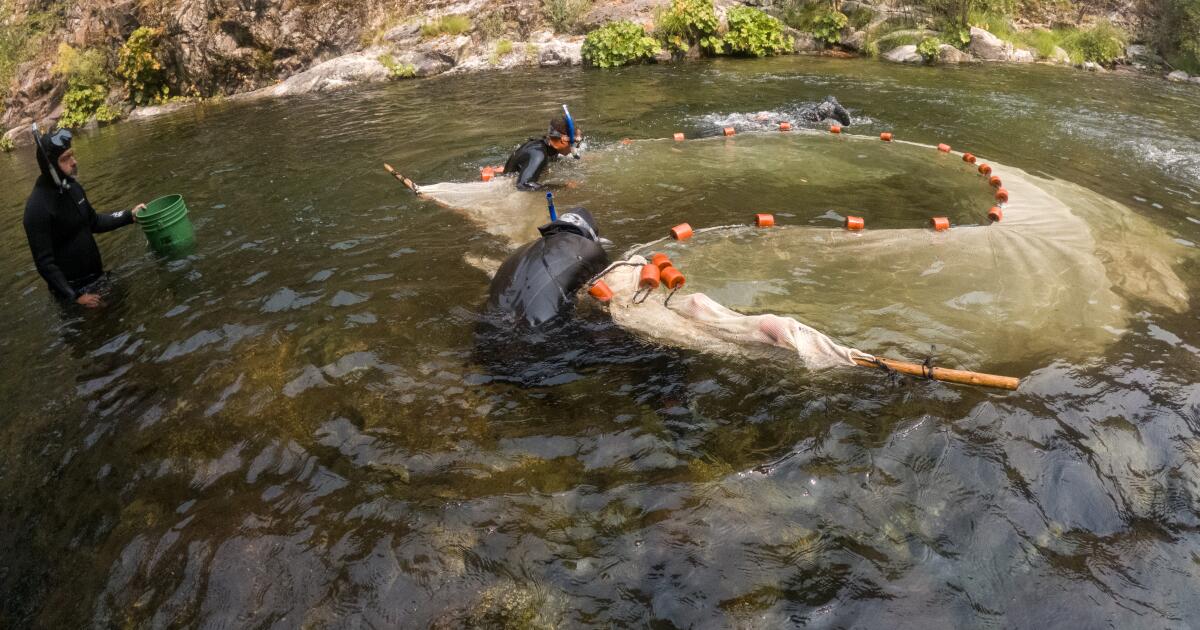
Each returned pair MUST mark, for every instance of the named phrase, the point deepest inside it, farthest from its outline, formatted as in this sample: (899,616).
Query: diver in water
(60,221)
(530,159)
(537,284)
(828,109)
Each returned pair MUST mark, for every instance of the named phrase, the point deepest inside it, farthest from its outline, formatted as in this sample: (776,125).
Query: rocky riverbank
(211,49)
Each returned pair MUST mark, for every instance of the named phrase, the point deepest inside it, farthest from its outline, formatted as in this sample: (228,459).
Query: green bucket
(165,223)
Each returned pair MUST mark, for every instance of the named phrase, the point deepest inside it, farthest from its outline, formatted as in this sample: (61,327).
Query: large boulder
(427,63)
(950,54)
(1141,56)
(334,74)
(904,54)
(987,46)
(1060,56)
(803,42)
(1020,55)
(560,53)
(1178,76)
(854,40)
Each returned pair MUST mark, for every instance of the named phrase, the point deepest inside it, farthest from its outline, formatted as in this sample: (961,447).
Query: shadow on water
(306,421)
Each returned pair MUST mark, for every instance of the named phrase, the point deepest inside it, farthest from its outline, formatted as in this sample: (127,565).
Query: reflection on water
(298,423)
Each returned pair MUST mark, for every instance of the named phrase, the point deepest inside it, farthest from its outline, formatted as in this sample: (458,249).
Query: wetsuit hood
(577,221)
(47,150)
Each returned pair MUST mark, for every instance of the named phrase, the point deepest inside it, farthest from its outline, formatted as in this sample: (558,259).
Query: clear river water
(297,424)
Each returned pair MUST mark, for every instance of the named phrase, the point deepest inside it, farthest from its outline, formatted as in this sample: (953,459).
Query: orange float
(968,158)
(764,220)
(855,224)
(600,291)
(940,224)
(681,232)
(994,181)
(678,137)
(995,214)
(984,169)
(944,148)
(650,276)
(660,260)
(729,131)
(486,173)
(1002,195)
(785,126)
(626,141)
(835,129)
(673,278)
(886,136)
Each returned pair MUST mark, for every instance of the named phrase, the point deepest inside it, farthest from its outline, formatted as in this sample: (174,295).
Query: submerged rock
(904,54)
(1178,76)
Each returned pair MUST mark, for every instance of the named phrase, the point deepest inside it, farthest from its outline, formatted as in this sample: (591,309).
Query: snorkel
(550,206)
(51,167)
(576,146)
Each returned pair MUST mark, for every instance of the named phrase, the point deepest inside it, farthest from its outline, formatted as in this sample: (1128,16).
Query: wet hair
(558,127)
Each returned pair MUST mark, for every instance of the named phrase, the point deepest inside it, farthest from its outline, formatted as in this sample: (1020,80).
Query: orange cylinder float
(678,137)
(995,214)
(1002,195)
(626,141)
(486,173)
(662,261)
(886,136)
(835,129)
(600,291)
(968,158)
(650,276)
(944,148)
(785,126)
(855,224)
(764,220)
(984,169)
(673,278)
(681,232)
(940,224)
(729,131)
(994,181)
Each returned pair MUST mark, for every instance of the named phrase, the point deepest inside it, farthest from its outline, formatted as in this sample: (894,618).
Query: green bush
(827,26)
(395,69)
(1041,41)
(490,26)
(80,68)
(502,49)
(138,65)
(6,144)
(752,32)
(929,49)
(689,22)
(1175,32)
(82,102)
(1102,43)
(617,44)
(565,15)
(446,25)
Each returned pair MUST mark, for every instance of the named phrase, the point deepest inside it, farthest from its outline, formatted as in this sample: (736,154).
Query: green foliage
(502,49)
(490,26)
(1175,32)
(1041,41)
(80,68)
(962,13)
(1102,43)
(617,44)
(929,49)
(82,102)
(395,69)
(6,144)
(564,15)
(139,67)
(752,32)
(446,25)
(689,22)
(827,26)
(21,38)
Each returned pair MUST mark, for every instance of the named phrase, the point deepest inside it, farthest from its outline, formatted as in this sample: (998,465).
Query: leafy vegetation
(502,49)
(617,44)
(21,38)
(1102,43)
(446,25)
(687,23)
(139,67)
(1175,30)
(87,86)
(827,26)
(6,144)
(397,70)
(754,33)
(929,49)
(565,15)
(490,26)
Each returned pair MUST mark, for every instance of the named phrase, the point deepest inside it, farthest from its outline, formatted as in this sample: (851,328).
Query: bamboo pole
(408,183)
(942,374)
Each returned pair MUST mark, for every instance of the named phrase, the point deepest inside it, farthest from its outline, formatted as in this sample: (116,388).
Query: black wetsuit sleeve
(527,180)
(107,222)
(41,244)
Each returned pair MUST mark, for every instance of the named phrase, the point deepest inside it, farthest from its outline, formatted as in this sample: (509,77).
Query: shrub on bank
(446,25)
(565,15)
(87,86)
(618,44)
(139,67)
(929,49)
(688,23)
(754,33)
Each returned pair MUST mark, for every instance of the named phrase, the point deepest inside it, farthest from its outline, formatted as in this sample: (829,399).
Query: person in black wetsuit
(536,285)
(530,159)
(60,221)
(828,109)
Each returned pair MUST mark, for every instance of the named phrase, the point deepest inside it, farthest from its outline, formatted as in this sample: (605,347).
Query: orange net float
(939,224)
(660,260)
(994,181)
(600,291)
(835,129)
(763,220)
(729,131)
(673,278)
(678,137)
(681,232)
(1002,195)
(626,141)
(968,158)
(886,136)
(944,148)
(995,214)
(486,173)
(649,278)
(984,169)
(785,126)
(855,224)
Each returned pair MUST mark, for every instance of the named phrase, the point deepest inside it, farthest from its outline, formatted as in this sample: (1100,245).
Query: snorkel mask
(50,149)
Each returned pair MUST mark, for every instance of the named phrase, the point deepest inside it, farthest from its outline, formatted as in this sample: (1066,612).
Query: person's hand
(90,300)
(137,209)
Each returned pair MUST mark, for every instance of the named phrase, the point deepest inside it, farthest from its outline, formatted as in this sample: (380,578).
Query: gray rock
(904,54)
(1060,56)
(855,40)
(403,33)
(1091,66)
(427,63)
(1020,55)
(950,54)
(803,42)
(987,46)
(1178,76)
(560,53)
(140,113)
(1195,79)
(1142,56)
(334,74)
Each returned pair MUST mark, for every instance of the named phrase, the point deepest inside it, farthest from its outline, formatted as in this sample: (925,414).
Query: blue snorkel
(576,146)
(550,206)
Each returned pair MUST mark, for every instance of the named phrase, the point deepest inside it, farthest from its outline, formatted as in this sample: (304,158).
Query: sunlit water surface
(297,425)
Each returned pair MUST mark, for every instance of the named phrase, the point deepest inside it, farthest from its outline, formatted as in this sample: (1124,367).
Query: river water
(296,425)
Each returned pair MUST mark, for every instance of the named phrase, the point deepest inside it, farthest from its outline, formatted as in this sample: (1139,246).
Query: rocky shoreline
(406,51)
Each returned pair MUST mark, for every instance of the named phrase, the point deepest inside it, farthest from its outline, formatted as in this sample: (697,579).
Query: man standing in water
(530,159)
(60,222)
